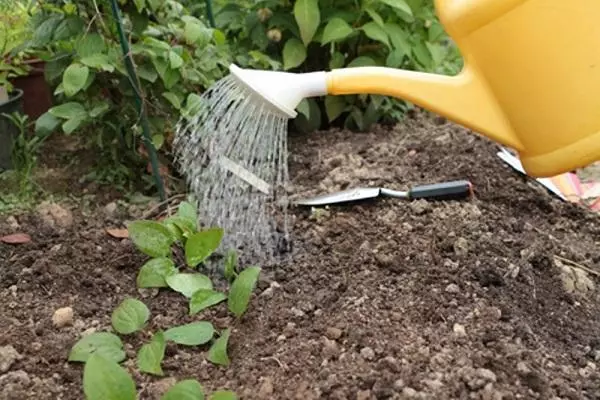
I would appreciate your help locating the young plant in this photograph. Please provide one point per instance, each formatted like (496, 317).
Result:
(176, 248)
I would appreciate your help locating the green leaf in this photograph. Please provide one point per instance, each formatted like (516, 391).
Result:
(151, 355)
(154, 272)
(147, 72)
(189, 389)
(241, 290)
(217, 354)
(188, 284)
(91, 44)
(158, 141)
(71, 125)
(334, 106)
(194, 334)
(173, 99)
(68, 110)
(401, 6)
(362, 61)
(107, 344)
(395, 58)
(130, 316)
(98, 61)
(294, 54)
(106, 380)
(75, 78)
(69, 28)
(201, 245)
(179, 227)
(336, 29)
(195, 34)
(46, 124)
(175, 60)
(187, 212)
(308, 18)
(99, 110)
(375, 16)
(304, 108)
(140, 4)
(376, 32)
(223, 395)
(205, 298)
(422, 54)
(337, 60)
(437, 51)
(230, 265)
(399, 37)
(171, 77)
(151, 238)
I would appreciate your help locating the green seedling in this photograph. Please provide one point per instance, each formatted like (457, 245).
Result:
(177, 250)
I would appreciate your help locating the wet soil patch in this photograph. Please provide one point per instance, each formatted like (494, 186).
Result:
(388, 299)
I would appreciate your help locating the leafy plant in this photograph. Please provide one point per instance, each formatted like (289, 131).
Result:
(15, 30)
(25, 151)
(177, 248)
(176, 56)
(311, 35)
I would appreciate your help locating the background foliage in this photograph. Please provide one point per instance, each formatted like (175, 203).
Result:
(178, 54)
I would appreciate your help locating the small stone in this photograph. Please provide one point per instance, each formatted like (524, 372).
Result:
(367, 353)
(389, 363)
(398, 385)
(331, 349)
(433, 384)
(409, 392)
(159, 388)
(363, 395)
(486, 374)
(8, 356)
(459, 330)
(333, 333)
(396, 316)
(297, 313)
(63, 317)
(384, 260)
(420, 207)
(12, 223)
(522, 368)
(110, 209)
(54, 215)
(266, 389)
(281, 338)
(461, 246)
(289, 329)
(452, 288)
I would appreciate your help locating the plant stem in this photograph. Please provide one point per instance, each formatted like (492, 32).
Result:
(138, 101)
(209, 13)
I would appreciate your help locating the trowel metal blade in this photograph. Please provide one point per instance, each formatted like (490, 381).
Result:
(344, 196)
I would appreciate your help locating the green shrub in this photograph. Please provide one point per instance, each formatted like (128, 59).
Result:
(175, 54)
(312, 35)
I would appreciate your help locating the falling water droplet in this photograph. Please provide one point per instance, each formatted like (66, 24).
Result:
(231, 148)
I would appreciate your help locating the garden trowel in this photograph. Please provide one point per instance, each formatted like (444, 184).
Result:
(453, 190)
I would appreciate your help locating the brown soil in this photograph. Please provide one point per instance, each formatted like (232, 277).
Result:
(386, 300)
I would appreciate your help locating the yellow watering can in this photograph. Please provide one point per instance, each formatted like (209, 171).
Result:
(531, 79)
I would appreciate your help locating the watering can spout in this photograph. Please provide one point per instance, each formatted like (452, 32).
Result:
(463, 98)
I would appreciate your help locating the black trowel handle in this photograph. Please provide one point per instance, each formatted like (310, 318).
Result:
(453, 190)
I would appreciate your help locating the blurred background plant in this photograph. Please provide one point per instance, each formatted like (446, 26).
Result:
(313, 35)
(178, 53)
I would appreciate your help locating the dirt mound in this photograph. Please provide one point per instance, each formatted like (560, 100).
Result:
(383, 300)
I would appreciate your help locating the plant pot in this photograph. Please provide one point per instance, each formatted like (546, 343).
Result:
(37, 97)
(8, 130)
